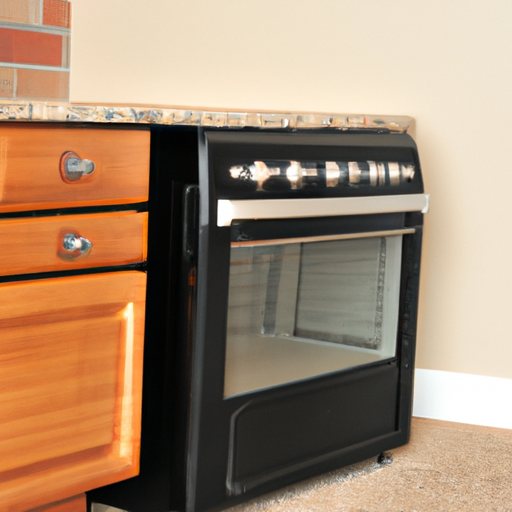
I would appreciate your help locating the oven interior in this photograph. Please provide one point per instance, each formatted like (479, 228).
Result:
(299, 310)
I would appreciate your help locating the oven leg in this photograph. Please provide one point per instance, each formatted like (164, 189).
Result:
(385, 458)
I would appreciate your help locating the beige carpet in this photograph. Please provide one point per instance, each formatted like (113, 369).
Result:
(445, 467)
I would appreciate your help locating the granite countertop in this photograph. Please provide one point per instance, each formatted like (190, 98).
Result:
(13, 110)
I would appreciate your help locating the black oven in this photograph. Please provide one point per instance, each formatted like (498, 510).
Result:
(283, 284)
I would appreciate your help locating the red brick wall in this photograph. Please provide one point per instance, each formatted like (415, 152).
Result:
(34, 49)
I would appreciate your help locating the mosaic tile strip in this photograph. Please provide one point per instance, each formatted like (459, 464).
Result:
(54, 111)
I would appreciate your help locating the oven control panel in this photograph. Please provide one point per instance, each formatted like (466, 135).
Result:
(293, 174)
(276, 165)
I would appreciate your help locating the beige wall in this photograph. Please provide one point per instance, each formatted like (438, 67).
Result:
(447, 64)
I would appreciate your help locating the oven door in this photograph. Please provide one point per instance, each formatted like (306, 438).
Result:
(301, 307)
(300, 362)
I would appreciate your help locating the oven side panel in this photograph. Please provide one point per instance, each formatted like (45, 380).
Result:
(160, 486)
(408, 319)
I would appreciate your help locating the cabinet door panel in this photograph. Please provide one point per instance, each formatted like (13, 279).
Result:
(70, 385)
(30, 167)
(37, 244)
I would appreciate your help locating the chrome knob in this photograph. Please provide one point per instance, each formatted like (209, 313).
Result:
(74, 246)
(72, 167)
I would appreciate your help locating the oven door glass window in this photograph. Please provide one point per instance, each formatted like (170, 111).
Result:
(300, 310)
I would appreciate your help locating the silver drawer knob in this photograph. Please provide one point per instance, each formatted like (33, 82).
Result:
(72, 167)
(74, 246)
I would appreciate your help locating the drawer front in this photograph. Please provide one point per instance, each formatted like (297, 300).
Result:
(62, 243)
(74, 504)
(70, 385)
(33, 167)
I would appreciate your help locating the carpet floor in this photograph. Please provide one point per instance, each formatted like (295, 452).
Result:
(445, 467)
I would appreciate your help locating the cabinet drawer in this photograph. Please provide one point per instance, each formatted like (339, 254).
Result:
(74, 504)
(70, 385)
(30, 167)
(45, 244)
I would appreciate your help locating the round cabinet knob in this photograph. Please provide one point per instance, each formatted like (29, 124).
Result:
(74, 246)
(72, 167)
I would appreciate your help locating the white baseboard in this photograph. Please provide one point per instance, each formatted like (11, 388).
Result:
(463, 398)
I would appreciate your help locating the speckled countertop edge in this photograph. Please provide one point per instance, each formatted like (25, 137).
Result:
(13, 110)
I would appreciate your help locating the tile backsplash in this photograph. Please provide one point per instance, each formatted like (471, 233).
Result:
(34, 49)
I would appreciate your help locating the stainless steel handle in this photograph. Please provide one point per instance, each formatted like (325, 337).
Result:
(72, 167)
(74, 246)
(244, 209)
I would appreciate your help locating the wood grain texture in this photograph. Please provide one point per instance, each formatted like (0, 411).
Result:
(30, 161)
(74, 504)
(35, 244)
(70, 385)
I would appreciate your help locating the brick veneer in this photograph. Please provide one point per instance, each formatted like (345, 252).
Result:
(34, 49)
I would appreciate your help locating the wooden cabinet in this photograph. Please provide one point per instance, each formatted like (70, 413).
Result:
(38, 245)
(31, 157)
(70, 384)
(74, 504)
(71, 345)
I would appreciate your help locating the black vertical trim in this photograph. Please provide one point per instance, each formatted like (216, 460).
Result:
(409, 295)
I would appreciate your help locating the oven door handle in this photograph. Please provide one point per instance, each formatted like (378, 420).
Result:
(245, 209)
